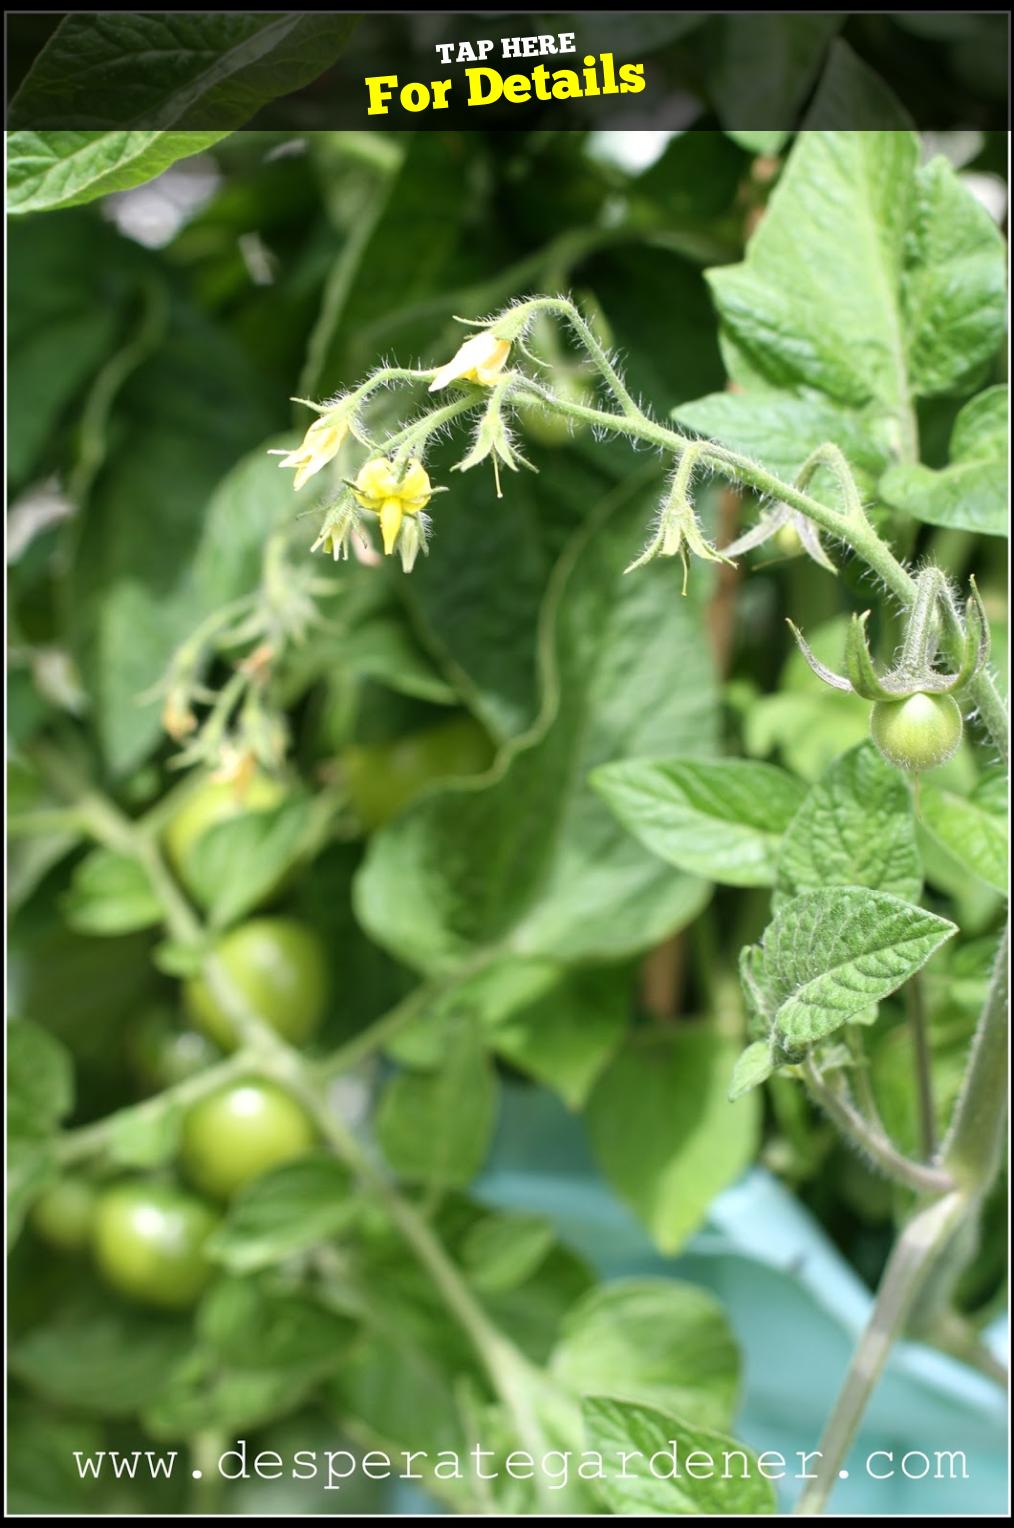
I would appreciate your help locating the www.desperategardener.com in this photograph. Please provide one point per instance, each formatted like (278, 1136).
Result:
(333, 1468)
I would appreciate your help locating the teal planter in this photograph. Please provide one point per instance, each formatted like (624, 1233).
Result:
(796, 1307)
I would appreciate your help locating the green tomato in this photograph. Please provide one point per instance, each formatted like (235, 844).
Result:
(209, 803)
(148, 1242)
(162, 1054)
(277, 968)
(240, 1132)
(382, 778)
(918, 733)
(548, 428)
(788, 540)
(63, 1213)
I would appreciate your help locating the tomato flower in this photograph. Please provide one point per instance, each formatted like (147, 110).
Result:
(481, 358)
(391, 497)
(320, 445)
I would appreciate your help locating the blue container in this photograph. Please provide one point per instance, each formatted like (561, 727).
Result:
(797, 1308)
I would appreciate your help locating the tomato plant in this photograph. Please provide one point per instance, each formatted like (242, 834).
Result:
(507, 780)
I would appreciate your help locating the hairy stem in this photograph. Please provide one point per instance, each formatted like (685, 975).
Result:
(871, 1142)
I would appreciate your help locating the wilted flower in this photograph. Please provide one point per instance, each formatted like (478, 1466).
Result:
(493, 440)
(678, 529)
(391, 497)
(178, 719)
(481, 358)
(320, 445)
(342, 526)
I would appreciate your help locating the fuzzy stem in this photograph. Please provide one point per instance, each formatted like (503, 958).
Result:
(871, 1142)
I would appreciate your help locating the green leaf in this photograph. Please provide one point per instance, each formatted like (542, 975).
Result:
(655, 1341)
(143, 1140)
(722, 819)
(502, 1251)
(252, 1325)
(189, 412)
(99, 1357)
(766, 64)
(534, 861)
(47, 170)
(31, 1167)
(566, 1035)
(766, 141)
(782, 428)
(286, 1211)
(855, 828)
(557, 1024)
(971, 492)
(660, 1124)
(40, 1081)
(754, 1066)
(236, 864)
(955, 291)
(72, 282)
(672, 1468)
(851, 95)
(897, 288)
(44, 1479)
(185, 68)
(200, 1394)
(436, 1127)
(816, 302)
(110, 894)
(973, 829)
(830, 954)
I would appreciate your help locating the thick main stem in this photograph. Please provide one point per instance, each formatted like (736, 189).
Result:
(923, 1241)
(973, 1149)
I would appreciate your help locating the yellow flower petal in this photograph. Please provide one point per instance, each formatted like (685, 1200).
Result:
(320, 445)
(390, 523)
(480, 359)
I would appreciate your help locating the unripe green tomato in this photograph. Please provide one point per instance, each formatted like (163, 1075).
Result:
(551, 429)
(162, 1054)
(382, 778)
(788, 540)
(277, 968)
(148, 1242)
(240, 1132)
(63, 1213)
(209, 803)
(918, 733)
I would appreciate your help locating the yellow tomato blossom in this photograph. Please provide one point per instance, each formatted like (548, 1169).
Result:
(319, 445)
(378, 488)
(480, 359)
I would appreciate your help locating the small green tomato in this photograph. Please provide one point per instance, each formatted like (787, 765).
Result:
(382, 778)
(148, 1242)
(918, 733)
(241, 1132)
(62, 1215)
(788, 540)
(278, 970)
(204, 807)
